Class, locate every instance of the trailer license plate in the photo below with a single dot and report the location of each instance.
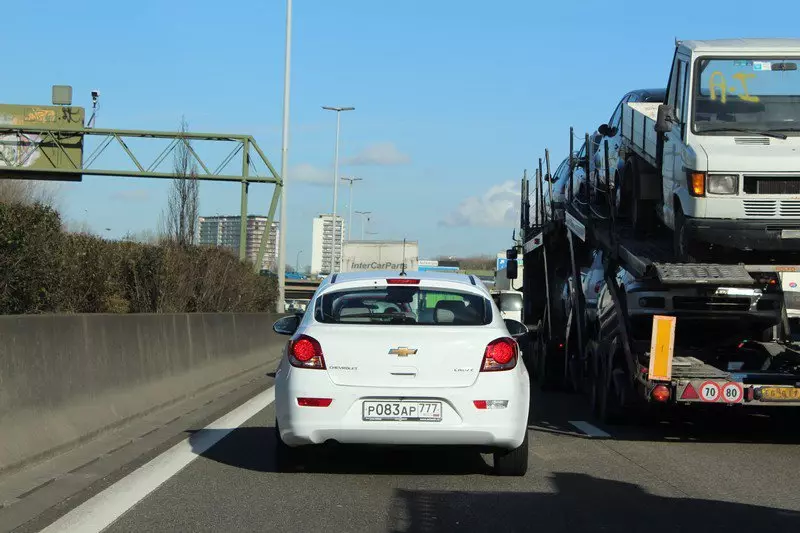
(790, 234)
(780, 394)
(402, 411)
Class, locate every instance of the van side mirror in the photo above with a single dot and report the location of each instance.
(604, 130)
(665, 118)
(511, 269)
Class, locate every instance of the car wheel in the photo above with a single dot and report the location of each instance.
(512, 462)
(287, 459)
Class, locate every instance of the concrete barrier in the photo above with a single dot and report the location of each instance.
(65, 378)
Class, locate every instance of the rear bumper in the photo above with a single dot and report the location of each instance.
(462, 423)
(744, 234)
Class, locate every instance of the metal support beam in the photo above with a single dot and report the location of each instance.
(71, 167)
(262, 246)
(243, 219)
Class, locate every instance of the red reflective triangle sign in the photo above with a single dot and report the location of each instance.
(689, 393)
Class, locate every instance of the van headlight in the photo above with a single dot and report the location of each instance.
(723, 184)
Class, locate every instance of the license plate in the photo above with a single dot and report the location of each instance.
(402, 411)
(790, 234)
(780, 394)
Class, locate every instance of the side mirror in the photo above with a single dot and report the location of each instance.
(604, 130)
(665, 118)
(511, 269)
(287, 325)
(515, 328)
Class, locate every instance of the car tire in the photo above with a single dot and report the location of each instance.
(512, 462)
(287, 459)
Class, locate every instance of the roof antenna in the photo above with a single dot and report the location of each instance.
(403, 271)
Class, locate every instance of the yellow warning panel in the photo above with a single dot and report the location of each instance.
(662, 345)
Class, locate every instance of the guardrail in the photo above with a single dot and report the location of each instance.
(66, 378)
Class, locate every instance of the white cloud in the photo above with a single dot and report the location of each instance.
(497, 208)
(308, 173)
(131, 195)
(385, 153)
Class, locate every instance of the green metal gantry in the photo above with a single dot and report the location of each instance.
(59, 162)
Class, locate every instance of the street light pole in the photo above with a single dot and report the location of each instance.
(363, 214)
(336, 177)
(279, 304)
(350, 206)
(297, 262)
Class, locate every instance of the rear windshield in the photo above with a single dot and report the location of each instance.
(404, 306)
(510, 302)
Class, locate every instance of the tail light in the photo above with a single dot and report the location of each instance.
(500, 354)
(598, 286)
(660, 393)
(305, 352)
(402, 281)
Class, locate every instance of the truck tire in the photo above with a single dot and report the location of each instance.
(609, 405)
(512, 462)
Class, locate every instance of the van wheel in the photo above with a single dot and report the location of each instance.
(680, 237)
(512, 462)
(641, 211)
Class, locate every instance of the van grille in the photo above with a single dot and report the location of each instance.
(790, 208)
(771, 185)
(760, 208)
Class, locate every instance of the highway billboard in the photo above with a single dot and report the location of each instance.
(362, 256)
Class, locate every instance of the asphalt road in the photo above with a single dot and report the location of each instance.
(726, 471)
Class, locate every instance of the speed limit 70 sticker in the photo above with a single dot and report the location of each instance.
(710, 391)
(732, 392)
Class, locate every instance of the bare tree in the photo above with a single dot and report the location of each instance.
(28, 192)
(183, 203)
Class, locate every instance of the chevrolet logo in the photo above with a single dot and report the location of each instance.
(402, 351)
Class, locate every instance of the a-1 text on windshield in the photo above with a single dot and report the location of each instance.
(747, 95)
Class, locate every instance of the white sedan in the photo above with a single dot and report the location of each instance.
(417, 359)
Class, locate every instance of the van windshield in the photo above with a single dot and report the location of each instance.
(747, 95)
(403, 306)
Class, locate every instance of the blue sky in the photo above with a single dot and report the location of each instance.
(454, 98)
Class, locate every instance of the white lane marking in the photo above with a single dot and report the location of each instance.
(589, 429)
(104, 508)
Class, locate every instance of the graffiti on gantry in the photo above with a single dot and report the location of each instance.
(38, 114)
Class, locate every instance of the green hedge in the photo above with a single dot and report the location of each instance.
(46, 270)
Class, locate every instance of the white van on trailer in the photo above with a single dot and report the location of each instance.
(719, 161)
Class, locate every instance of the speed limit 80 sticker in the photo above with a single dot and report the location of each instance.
(732, 392)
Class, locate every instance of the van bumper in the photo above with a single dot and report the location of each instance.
(749, 234)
